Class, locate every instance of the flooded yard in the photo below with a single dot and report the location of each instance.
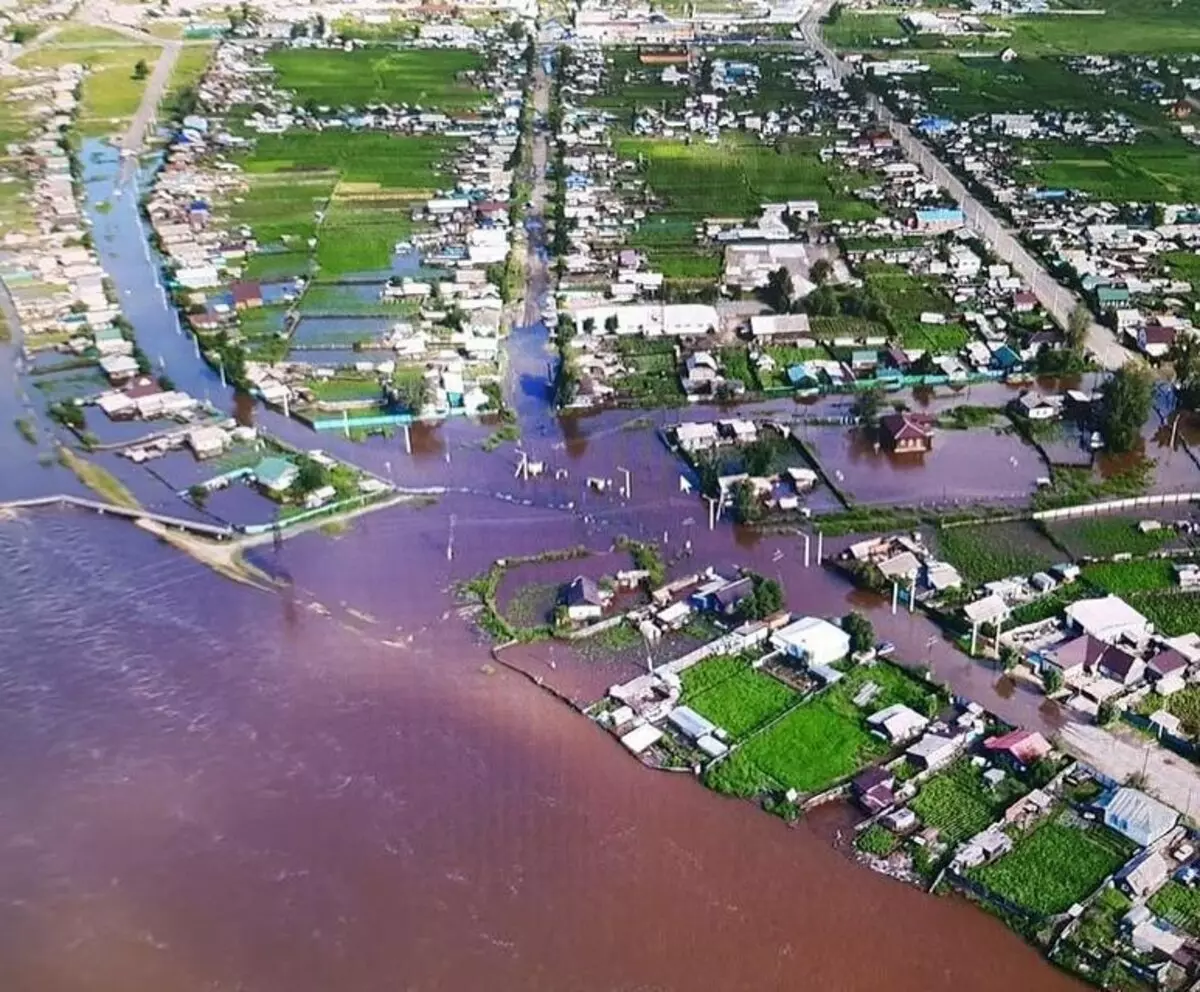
(976, 466)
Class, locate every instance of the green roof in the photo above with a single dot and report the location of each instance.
(273, 471)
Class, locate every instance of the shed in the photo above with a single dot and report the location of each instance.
(1133, 814)
(640, 738)
(690, 723)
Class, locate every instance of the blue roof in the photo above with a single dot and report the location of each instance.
(932, 125)
(1005, 357)
(933, 214)
(799, 373)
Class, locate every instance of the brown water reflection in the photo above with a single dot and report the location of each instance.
(207, 790)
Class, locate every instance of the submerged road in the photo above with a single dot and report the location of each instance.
(1057, 299)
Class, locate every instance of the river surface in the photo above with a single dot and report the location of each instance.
(209, 787)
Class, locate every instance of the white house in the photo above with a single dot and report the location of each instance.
(813, 640)
(1108, 618)
(897, 722)
(1139, 817)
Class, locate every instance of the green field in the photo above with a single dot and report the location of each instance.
(822, 741)
(1124, 577)
(1179, 906)
(960, 804)
(984, 553)
(1055, 865)
(1184, 704)
(1157, 27)
(110, 95)
(365, 183)
(739, 699)
(1172, 613)
(1103, 537)
(430, 78)
(1156, 169)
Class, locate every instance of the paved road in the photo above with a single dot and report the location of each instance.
(1171, 778)
(1058, 301)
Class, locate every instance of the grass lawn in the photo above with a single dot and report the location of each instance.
(110, 94)
(276, 265)
(960, 804)
(735, 696)
(1102, 537)
(985, 552)
(1179, 906)
(189, 67)
(822, 741)
(1055, 865)
(334, 390)
(430, 78)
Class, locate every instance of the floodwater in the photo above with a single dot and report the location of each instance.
(208, 787)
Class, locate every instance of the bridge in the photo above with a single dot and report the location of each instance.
(217, 531)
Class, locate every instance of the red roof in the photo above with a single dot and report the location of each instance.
(1026, 746)
(246, 292)
(902, 427)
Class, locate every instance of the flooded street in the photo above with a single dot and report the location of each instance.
(213, 788)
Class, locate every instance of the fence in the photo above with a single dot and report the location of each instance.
(1180, 745)
(1108, 506)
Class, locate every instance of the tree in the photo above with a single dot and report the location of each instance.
(411, 392)
(1125, 405)
(1185, 356)
(23, 33)
(820, 271)
(757, 457)
(312, 475)
(140, 69)
(780, 290)
(1077, 327)
(1010, 657)
(198, 494)
(822, 302)
(320, 26)
(867, 406)
(768, 596)
(861, 631)
(1106, 713)
(611, 323)
(1052, 679)
(747, 508)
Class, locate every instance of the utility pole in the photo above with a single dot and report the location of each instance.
(450, 540)
(820, 546)
(806, 549)
(896, 597)
(712, 511)
(407, 439)
(628, 482)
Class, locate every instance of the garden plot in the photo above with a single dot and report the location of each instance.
(1055, 865)
(988, 552)
(733, 695)
(1172, 613)
(434, 79)
(823, 740)
(1184, 704)
(961, 804)
(353, 191)
(628, 85)
(337, 332)
(1153, 170)
(964, 467)
(1179, 906)
(352, 299)
(1127, 578)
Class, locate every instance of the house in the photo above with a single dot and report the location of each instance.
(730, 597)
(1020, 749)
(690, 723)
(813, 641)
(1034, 406)
(1187, 574)
(1074, 658)
(275, 474)
(933, 751)
(904, 434)
(1120, 666)
(1155, 340)
(938, 220)
(697, 437)
(897, 723)
(207, 442)
(640, 738)
(991, 609)
(584, 599)
(119, 368)
(1108, 619)
(874, 790)
(1167, 670)
(246, 295)
(1135, 815)
(1146, 875)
